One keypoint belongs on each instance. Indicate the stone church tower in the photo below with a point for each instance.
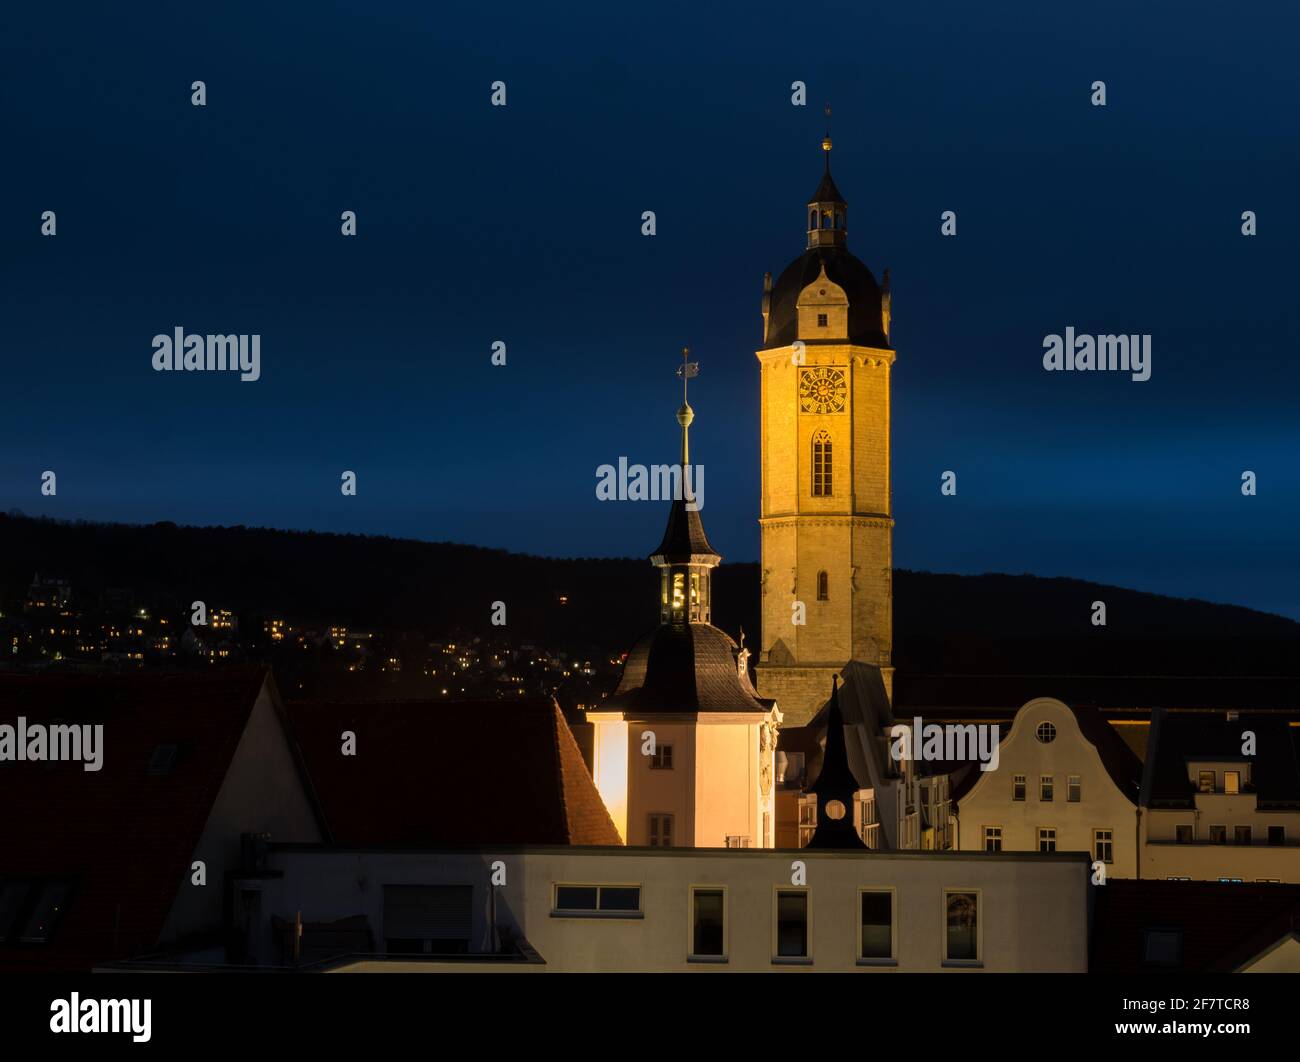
(826, 517)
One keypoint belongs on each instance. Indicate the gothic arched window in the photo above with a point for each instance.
(823, 589)
(821, 465)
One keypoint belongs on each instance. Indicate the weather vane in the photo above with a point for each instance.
(687, 370)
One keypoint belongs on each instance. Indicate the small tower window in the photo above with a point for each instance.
(812, 219)
(821, 457)
(839, 221)
(826, 219)
(821, 320)
(823, 590)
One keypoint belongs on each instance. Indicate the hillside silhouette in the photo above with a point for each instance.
(942, 623)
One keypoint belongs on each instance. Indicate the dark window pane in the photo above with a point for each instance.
(963, 940)
(792, 924)
(575, 898)
(620, 899)
(49, 908)
(708, 922)
(877, 919)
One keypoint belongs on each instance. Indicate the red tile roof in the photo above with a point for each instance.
(122, 836)
(438, 773)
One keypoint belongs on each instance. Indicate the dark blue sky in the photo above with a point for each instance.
(523, 224)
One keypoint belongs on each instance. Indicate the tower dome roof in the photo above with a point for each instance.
(685, 667)
(866, 322)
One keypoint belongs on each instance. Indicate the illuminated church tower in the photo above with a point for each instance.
(826, 516)
(684, 750)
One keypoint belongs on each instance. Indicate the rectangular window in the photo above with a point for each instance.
(1047, 839)
(1018, 790)
(1074, 790)
(662, 760)
(1207, 782)
(661, 831)
(877, 916)
(1277, 835)
(1183, 834)
(791, 924)
(708, 923)
(961, 924)
(821, 320)
(1103, 845)
(992, 838)
(1162, 947)
(1046, 786)
(595, 899)
(1232, 782)
(1218, 835)
(1241, 834)
(737, 841)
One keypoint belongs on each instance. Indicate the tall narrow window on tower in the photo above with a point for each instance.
(821, 480)
(823, 589)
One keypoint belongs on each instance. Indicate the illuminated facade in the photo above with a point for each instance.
(825, 509)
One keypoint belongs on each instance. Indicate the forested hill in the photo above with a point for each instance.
(982, 623)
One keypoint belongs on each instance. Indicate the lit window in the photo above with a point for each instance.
(822, 465)
(1232, 781)
(1207, 782)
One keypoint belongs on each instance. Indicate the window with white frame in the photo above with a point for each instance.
(1047, 839)
(992, 838)
(1103, 845)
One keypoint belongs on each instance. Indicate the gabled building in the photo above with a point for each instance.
(136, 856)
(1065, 781)
(684, 749)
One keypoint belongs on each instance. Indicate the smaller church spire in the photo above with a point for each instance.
(836, 787)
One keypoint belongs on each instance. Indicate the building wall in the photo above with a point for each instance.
(1163, 857)
(662, 791)
(1033, 909)
(262, 793)
(1103, 806)
(609, 769)
(727, 799)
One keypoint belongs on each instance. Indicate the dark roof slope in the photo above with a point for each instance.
(452, 774)
(1221, 925)
(122, 836)
(866, 325)
(688, 667)
(1275, 771)
(826, 191)
(684, 535)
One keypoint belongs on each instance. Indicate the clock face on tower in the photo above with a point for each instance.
(822, 391)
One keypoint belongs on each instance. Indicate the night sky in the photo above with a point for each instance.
(522, 224)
